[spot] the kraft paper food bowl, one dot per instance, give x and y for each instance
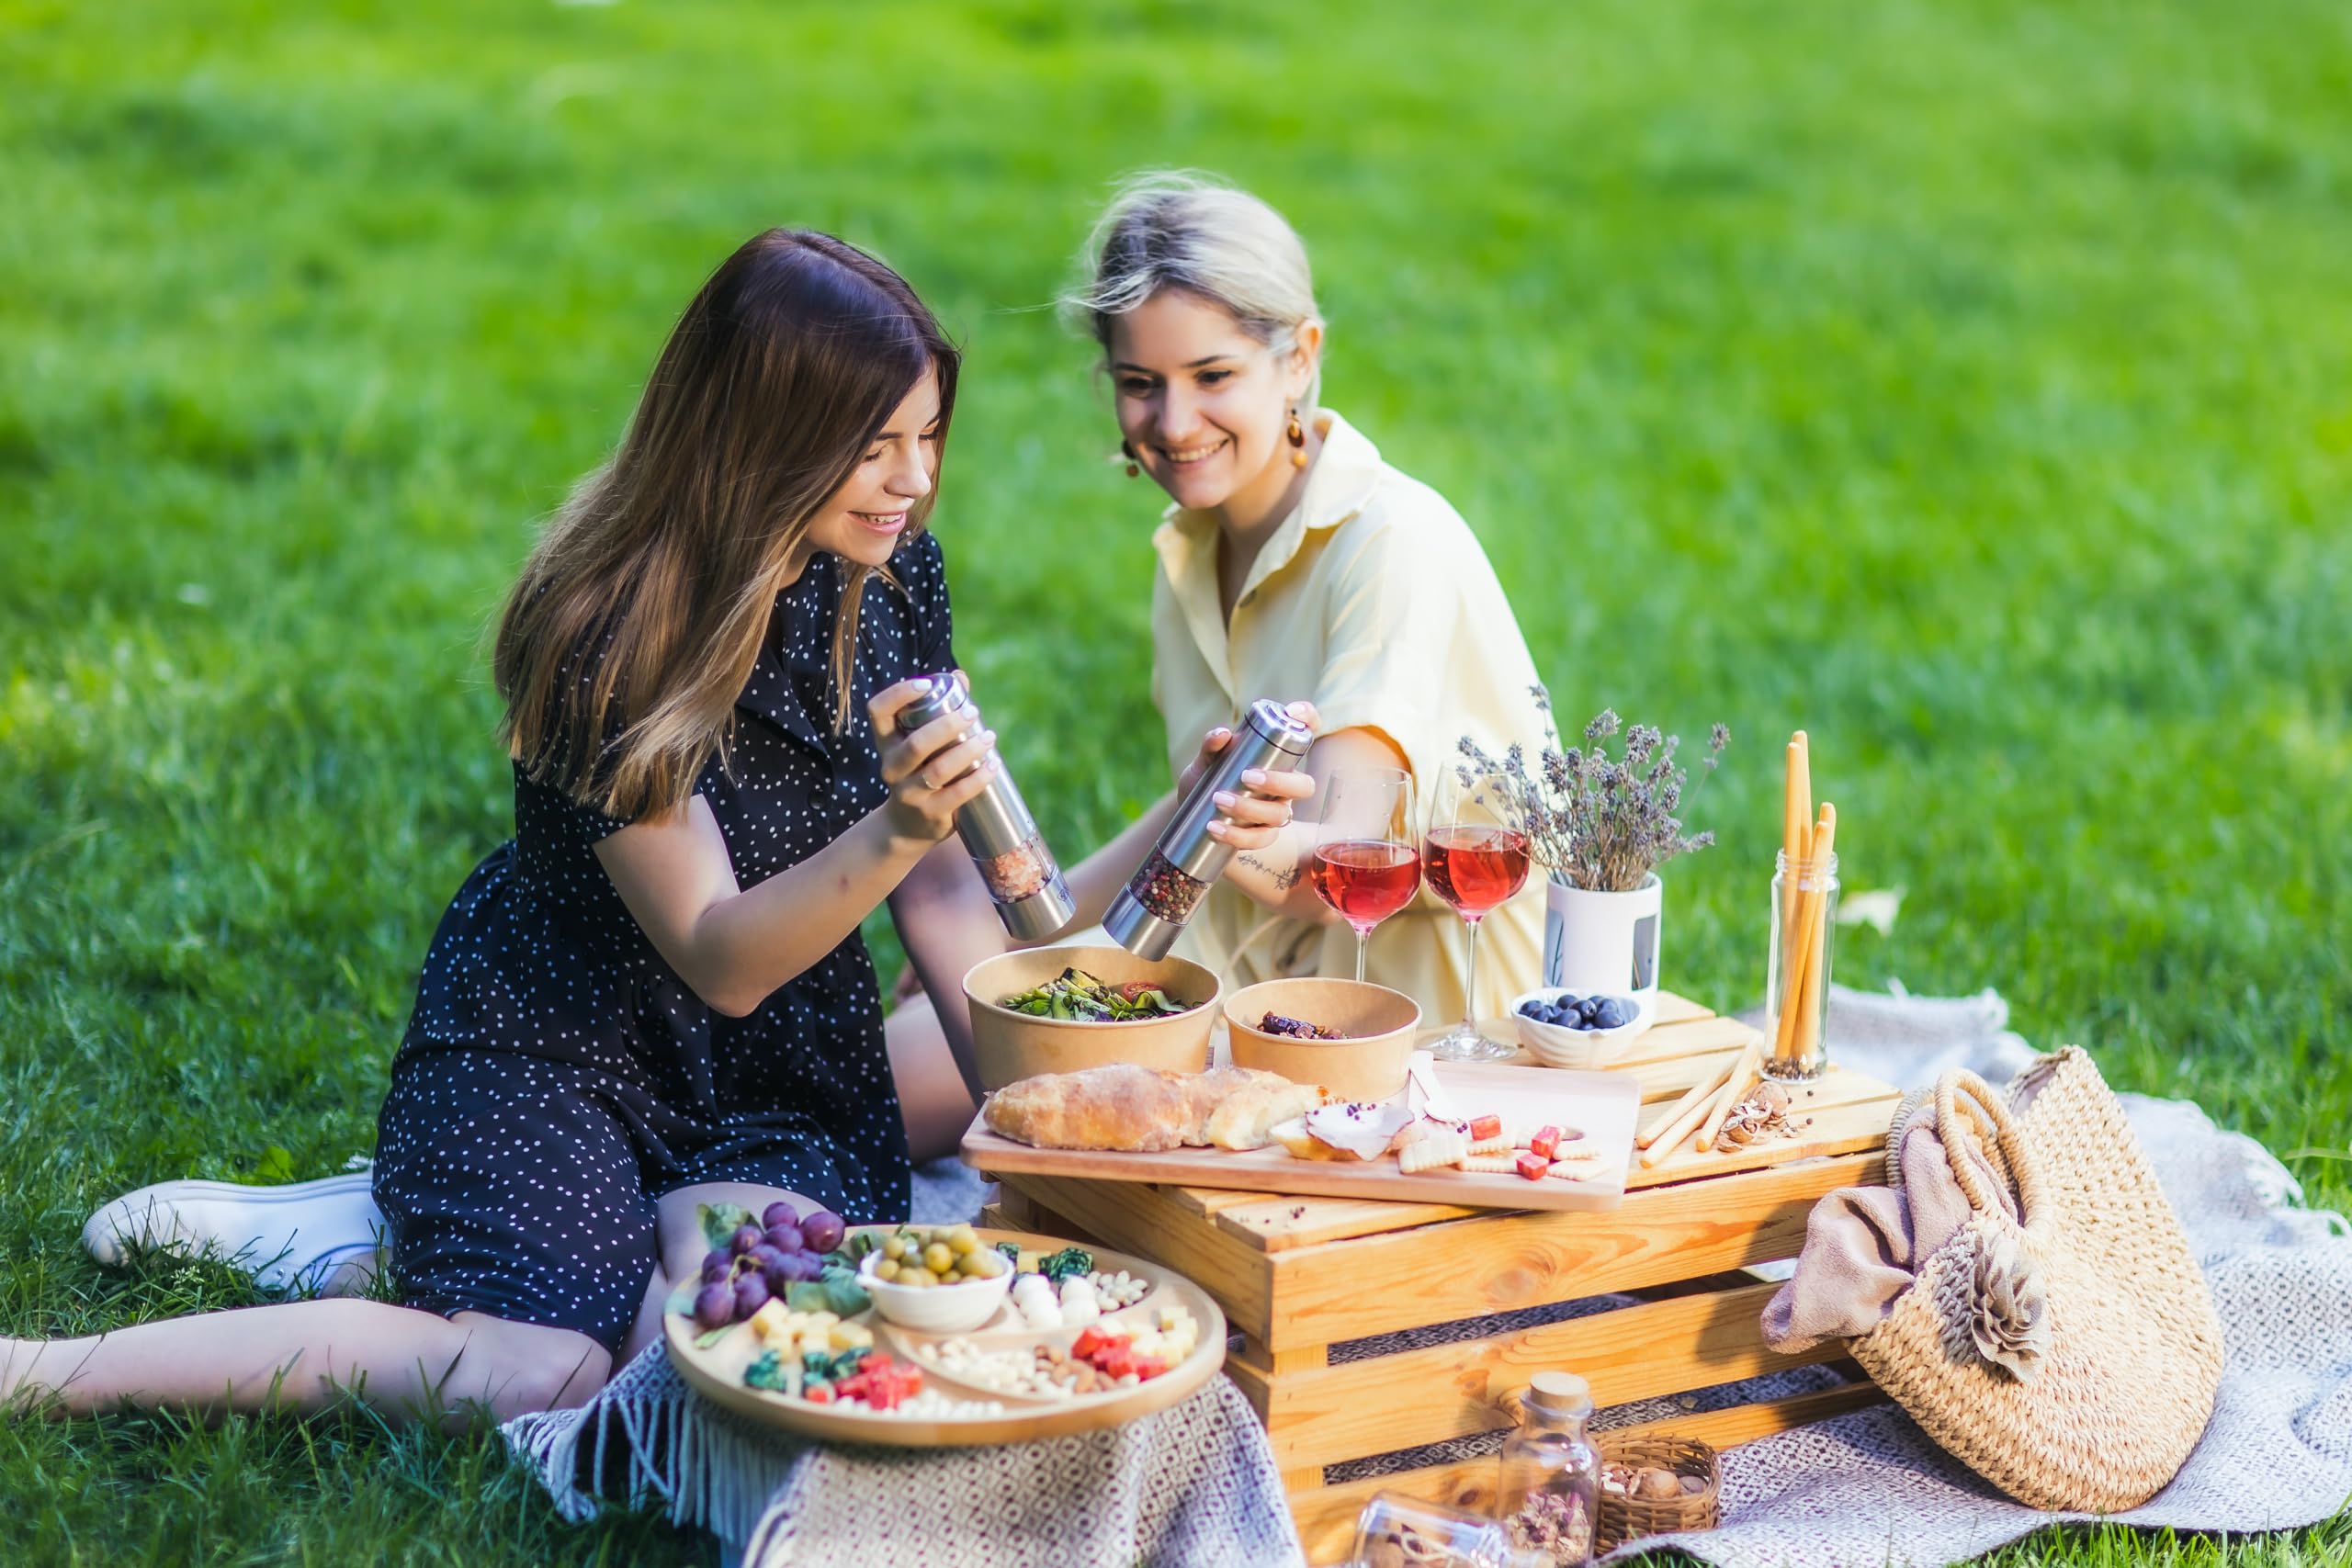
(1010, 1047)
(1380, 1025)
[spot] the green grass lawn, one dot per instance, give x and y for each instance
(1970, 384)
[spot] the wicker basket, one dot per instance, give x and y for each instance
(1619, 1518)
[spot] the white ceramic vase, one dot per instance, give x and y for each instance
(1605, 943)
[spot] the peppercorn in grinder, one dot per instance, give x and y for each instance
(1022, 879)
(1159, 901)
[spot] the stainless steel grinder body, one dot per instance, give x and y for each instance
(1022, 876)
(1159, 901)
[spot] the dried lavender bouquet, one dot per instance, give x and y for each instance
(1595, 821)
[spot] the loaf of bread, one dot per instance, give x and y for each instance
(1129, 1109)
(1247, 1117)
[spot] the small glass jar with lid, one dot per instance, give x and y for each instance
(1398, 1531)
(1550, 1486)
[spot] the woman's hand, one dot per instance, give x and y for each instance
(934, 770)
(1252, 821)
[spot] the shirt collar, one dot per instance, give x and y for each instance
(781, 689)
(1345, 473)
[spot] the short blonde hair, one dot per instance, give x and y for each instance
(1171, 228)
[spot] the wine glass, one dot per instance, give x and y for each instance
(1474, 857)
(1364, 866)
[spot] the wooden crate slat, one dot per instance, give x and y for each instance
(1279, 1363)
(1210, 1200)
(1673, 1009)
(1411, 1397)
(1325, 1516)
(1849, 1115)
(1278, 1223)
(1665, 1042)
(1474, 1268)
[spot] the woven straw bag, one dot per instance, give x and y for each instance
(2072, 1358)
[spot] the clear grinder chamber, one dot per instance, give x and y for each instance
(1159, 901)
(1023, 878)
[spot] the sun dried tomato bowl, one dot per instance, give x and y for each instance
(1379, 1027)
(1010, 1047)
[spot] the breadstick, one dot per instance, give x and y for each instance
(1673, 1113)
(1671, 1135)
(1750, 1069)
(1814, 1017)
(1796, 822)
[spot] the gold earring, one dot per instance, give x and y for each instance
(1129, 448)
(1298, 437)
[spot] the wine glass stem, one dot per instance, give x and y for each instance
(1363, 941)
(1470, 990)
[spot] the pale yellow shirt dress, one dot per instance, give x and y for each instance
(1375, 599)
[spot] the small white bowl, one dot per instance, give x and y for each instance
(935, 1309)
(1555, 1045)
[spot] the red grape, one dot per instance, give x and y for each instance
(715, 1265)
(786, 1236)
(822, 1229)
(745, 1238)
(750, 1293)
(776, 1214)
(714, 1305)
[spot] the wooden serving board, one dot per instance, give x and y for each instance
(1842, 1111)
(717, 1372)
(1599, 1106)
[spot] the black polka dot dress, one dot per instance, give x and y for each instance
(557, 1077)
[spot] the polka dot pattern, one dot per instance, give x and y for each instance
(557, 1077)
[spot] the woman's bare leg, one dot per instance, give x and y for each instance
(306, 1356)
(932, 1100)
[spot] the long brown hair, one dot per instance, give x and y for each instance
(638, 618)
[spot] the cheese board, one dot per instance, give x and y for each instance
(1843, 1111)
(995, 1383)
(1594, 1110)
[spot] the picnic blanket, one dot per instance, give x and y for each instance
(1197, 1485)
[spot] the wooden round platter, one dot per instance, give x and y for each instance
(717, 1371)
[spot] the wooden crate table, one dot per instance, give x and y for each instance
(1297, 1276)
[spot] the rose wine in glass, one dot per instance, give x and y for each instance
(1474, 858)
(1364, 867)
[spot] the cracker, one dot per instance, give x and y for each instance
(1437, 1146)
(1490, 1165)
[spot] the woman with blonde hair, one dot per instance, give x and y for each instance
(1292, 559)
(1293, 562)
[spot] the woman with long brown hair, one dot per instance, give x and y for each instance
(655, 995)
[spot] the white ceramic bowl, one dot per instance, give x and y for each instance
(935, 1309)
(1555, 1045)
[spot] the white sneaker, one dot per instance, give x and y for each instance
(291, 1237)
